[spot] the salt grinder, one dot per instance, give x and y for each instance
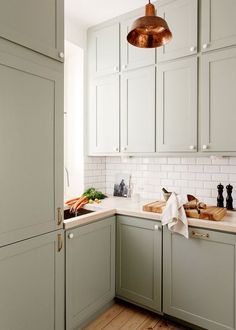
(220, 198)
(229, 198)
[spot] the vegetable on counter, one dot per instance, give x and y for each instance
(90, 196)
(93, 194)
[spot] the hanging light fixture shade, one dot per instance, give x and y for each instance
(149, 31)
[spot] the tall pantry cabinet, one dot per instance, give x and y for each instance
(31, 169)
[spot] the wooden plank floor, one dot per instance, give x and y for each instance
(126, 316)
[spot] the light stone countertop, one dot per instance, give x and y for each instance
(125, 206)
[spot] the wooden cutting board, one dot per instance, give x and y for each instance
(210, 213)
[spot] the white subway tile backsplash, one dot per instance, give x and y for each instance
(180, 168)
(211, 169)
(220, 160)
(203, 160)
(228, 169)
(195, 168)
(232, 160)
(220, 177)
(174, 160)
(189, 161)
(198, 176)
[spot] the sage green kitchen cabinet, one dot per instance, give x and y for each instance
(139, 261)
(199, 277)
(90, 270)
(32, 284)
(218, 24)
(182, 19)
(104, 115)
(31, 143)
(104, 50)
(38, 25)
(133, 57)
(138, 110)
(218, 100)
(177, 106)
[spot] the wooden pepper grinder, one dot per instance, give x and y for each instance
(229, 198)
(220, 198)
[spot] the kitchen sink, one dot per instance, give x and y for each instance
(69, 215)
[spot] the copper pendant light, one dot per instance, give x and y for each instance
(149, 31)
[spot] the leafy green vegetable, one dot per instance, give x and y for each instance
(93, 194)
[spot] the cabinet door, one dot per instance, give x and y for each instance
(139, 265)
(38, 25)
(182, 18)
(31, 145)
(218, 118)
(104, 115)
(138, 110)
(90, 270)
(177, 106)
(131, 56)
(193, 271)
(218, 27)
(32, 284)
(104, 48)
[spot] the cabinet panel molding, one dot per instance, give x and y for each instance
(213, 34)
(32, 284)
(38, 25)
(193, 270)
(218, 101)
(31, 107)
(91, 286)
(177, 106)
(138, 265)
(138, 110)
(182, 18)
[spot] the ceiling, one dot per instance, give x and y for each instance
(87, 13)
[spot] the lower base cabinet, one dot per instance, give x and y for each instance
(32, 284)
(139, 261)
(199, 276)
(90, 270)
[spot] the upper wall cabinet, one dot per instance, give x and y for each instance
(182, 18)
(138, 110)
(218, 24)
(131, 56)
(34, 24)
(31, 140)
(177, 106)
(104, 48)
(218, 81)
(104, 115)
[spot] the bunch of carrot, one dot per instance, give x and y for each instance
(76, 203)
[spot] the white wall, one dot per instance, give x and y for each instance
(74, 119)
(75, 33)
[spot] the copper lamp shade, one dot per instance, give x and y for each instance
(149, 31)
